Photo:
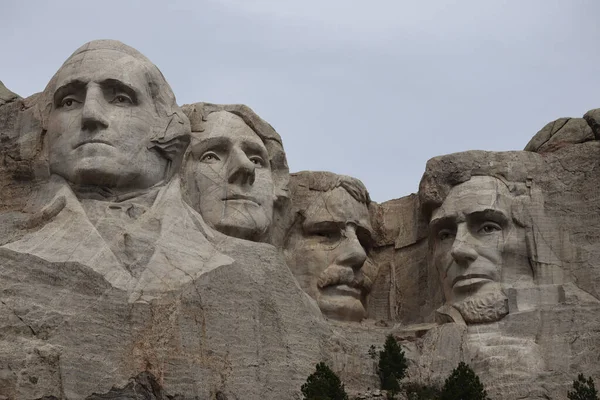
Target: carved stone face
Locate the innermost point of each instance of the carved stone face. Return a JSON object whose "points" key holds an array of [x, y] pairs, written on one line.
{"points": [[327, 254], [228, 176], [100, 126], [476, 244]]}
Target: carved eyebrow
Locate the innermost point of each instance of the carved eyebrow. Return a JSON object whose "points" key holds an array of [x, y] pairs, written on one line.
{"points": [[442, 222], [201, 145], [488, 214], [248, 145], [116, 84], [68, 88], [315, 225]]}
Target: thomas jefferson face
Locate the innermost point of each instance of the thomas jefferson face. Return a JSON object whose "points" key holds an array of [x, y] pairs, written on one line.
{"points": [[476, 244], [101, 122], [328, 253], [228, 176]]}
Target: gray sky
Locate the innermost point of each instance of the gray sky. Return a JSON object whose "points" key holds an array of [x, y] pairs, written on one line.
{"points": [[371, 89]]}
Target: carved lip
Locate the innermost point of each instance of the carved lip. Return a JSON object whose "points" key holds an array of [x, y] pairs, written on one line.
{"points": [[93, 141], [342, 290], [243, 197], [468, 280]]}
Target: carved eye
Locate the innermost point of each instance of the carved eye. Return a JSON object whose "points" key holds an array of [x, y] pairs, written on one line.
{"points": [[329, 234], [445, 234], [69, 103], [489, 227], [258, 161], [122, 99], [209, 157]]}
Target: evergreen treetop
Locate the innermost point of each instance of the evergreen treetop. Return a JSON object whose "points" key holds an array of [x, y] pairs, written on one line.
{"points": [[583, 389], [463, 384], [392, 365], [323, 384]]}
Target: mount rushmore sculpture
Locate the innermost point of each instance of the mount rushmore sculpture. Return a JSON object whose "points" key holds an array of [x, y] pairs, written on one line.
{"points": [[144, 244]]}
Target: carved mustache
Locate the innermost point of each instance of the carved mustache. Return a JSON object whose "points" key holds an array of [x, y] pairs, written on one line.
{"points": [[339, 275]]}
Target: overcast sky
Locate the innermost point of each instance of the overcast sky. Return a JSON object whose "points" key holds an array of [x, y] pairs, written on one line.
{"points": [[371, 89]]}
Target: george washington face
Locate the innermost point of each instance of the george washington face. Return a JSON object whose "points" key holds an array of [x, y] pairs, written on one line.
{"points": [[100, 125]]}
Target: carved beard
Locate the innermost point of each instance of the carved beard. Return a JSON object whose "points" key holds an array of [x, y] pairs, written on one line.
{"points": [[488, 307]]}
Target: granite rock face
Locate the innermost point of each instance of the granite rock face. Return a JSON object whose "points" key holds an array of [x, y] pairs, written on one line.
{"points": [[154, 251], [530, 348], [108, 272]]}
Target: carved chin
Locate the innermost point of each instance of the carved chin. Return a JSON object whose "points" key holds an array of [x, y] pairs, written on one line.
{"points": [[342, 308], [483, 308], [243, 228]]}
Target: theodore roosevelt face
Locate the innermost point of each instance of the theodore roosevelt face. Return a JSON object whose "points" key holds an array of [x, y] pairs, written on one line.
{"points": [[328, 253]]}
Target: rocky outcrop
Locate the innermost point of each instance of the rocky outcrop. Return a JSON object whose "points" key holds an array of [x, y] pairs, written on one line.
{"points": [[149, 251]]}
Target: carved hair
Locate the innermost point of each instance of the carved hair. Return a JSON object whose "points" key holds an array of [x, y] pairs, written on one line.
{"points": [[305, 185], [170, 138], [324, 181]]}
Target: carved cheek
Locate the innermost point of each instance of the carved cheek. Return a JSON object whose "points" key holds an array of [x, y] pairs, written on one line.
{"points": [[211, 175], [63, 126], [128, 132], [492, 247], [319, 256], [441, 256], [308, 260]]}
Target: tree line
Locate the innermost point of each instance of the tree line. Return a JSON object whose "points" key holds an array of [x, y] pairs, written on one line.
{"points": [[462, 383]]}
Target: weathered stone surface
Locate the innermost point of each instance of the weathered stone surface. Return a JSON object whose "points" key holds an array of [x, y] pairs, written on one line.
{"points": [[152, 251], [560, 133], [593, 119], [528, 352], [21, 161], [400, 253], [239, 329], [142, 387], [6, 96], [532, 354], [106, 272]]}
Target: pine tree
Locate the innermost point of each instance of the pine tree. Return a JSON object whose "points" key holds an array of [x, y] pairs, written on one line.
{"points": [[392, 365], [323, 384], [583, 389], [463, 384]]}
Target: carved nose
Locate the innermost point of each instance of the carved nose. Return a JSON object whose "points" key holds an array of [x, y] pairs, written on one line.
{"points": [[93, 114], [352, 253], [241, 169], [462, 250]]}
